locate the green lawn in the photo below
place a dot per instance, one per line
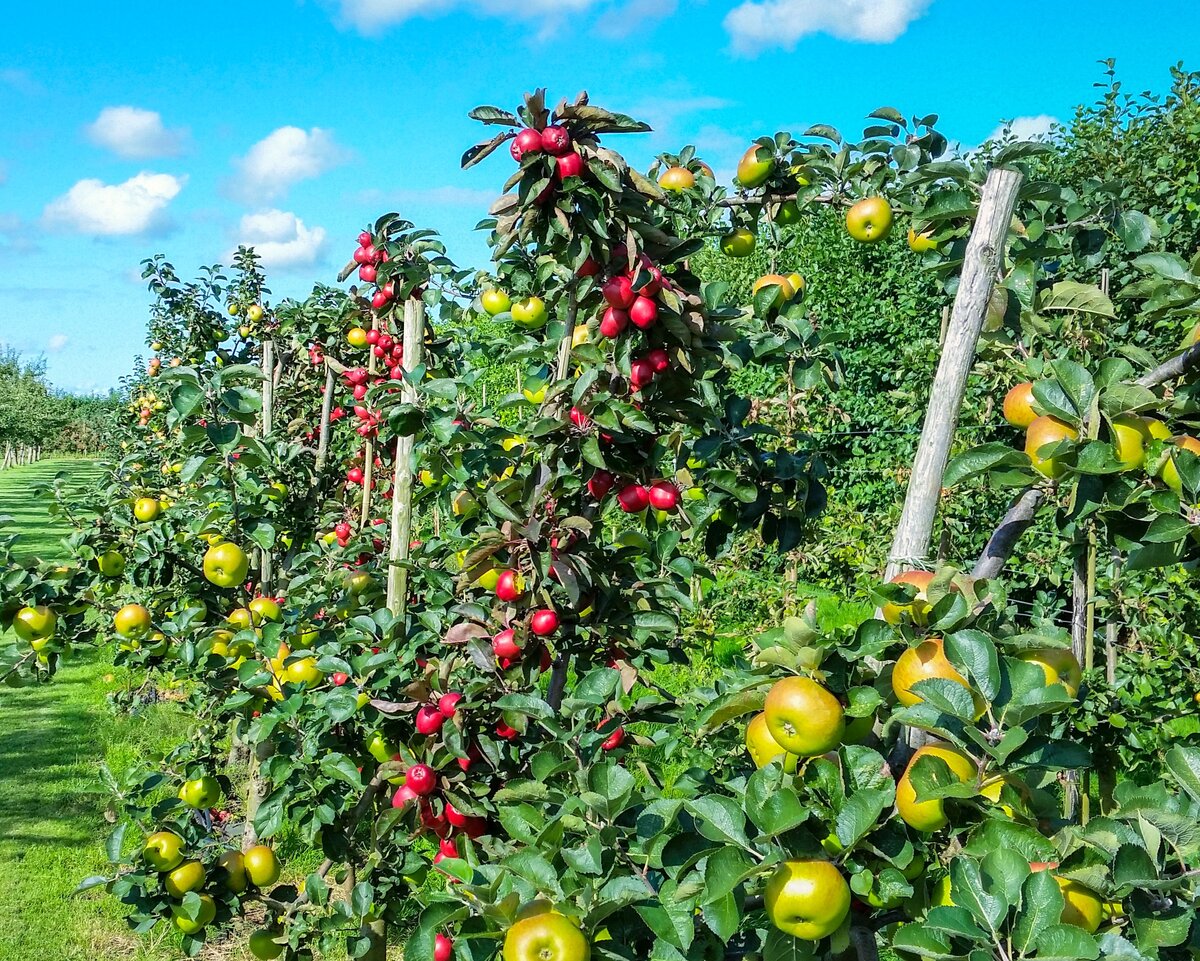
(53, 739)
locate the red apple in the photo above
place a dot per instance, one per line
(600, 484)
(421, 779)
(355, 475)
(506, 732)
(633, 498)
(443, 948)
(367, 273)
(580, 419)
(643, 313)
(510, 586)
(589, 268)
(543, 622)
(404, 794)
(618, 291)
(556, 140)
(339, 678)
(569, 165)
(379, 299)
(664, 496)
(429, 719)
(659, 359)
(614, 740)
(615, 320)
(448, 703)
(504, 645)
(641, 373)
(365, 239)
(527, 141)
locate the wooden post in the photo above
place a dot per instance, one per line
(326, 412)
(265, 567)
(368, 447)
(402, 481)
(985, 252)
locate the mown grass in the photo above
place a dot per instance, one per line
(53, 738)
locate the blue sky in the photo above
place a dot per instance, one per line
(132, 128)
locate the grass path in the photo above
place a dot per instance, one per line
(53, 739)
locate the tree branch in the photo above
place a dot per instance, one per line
(1177, 366)
(1004, 538)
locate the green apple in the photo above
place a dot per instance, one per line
(111, 563)
(201, 792)
(163, 850)
(35, 623)
(189, 876)
(530, 313)
(208, 911)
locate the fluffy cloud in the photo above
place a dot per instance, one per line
(375, 16)
(134, 133)
(756, 25)
(1026, 128)
(56, 343)
(281, 238)
(283, 158)
(136, 206)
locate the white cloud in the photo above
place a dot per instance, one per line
(756, 25)
(134, 207)
(281, 238)
(56, 343)
(134, 133)
(1026, 128)
(283, 158)
(374, 16)
(617, 23)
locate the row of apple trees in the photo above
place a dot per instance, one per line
(508, 743)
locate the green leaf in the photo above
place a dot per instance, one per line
(720, 819)
(925, 942)
(724, 871)
(1041, 908)
(974, 653)
(1183, 763)
(1006, 869)
(988, 906)
(955, 921)
(859, 814)
(1169, 266)
(773, 810)
(722, 916)
(979, 460)
(341, 767)
(1135, 230)
(1080, 298)
(1065, 942)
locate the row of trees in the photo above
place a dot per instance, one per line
(35, 419)
(447, 628)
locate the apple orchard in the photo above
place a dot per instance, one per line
(426, 616)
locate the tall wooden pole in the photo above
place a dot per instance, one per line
(265, 566)
(402, 481)
(369, 446)
(326, 413)
(985, 253)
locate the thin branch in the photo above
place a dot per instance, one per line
(1177, 366)
(1004, 538)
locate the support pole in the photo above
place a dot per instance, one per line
(266, 570)
(368, 448)
(326, 413)
(985, 253)
(402, 481)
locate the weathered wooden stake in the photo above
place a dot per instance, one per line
(985, 253)
(368, 447)
(326, 413)
(402, 481)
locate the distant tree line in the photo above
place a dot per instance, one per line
(37, 420)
